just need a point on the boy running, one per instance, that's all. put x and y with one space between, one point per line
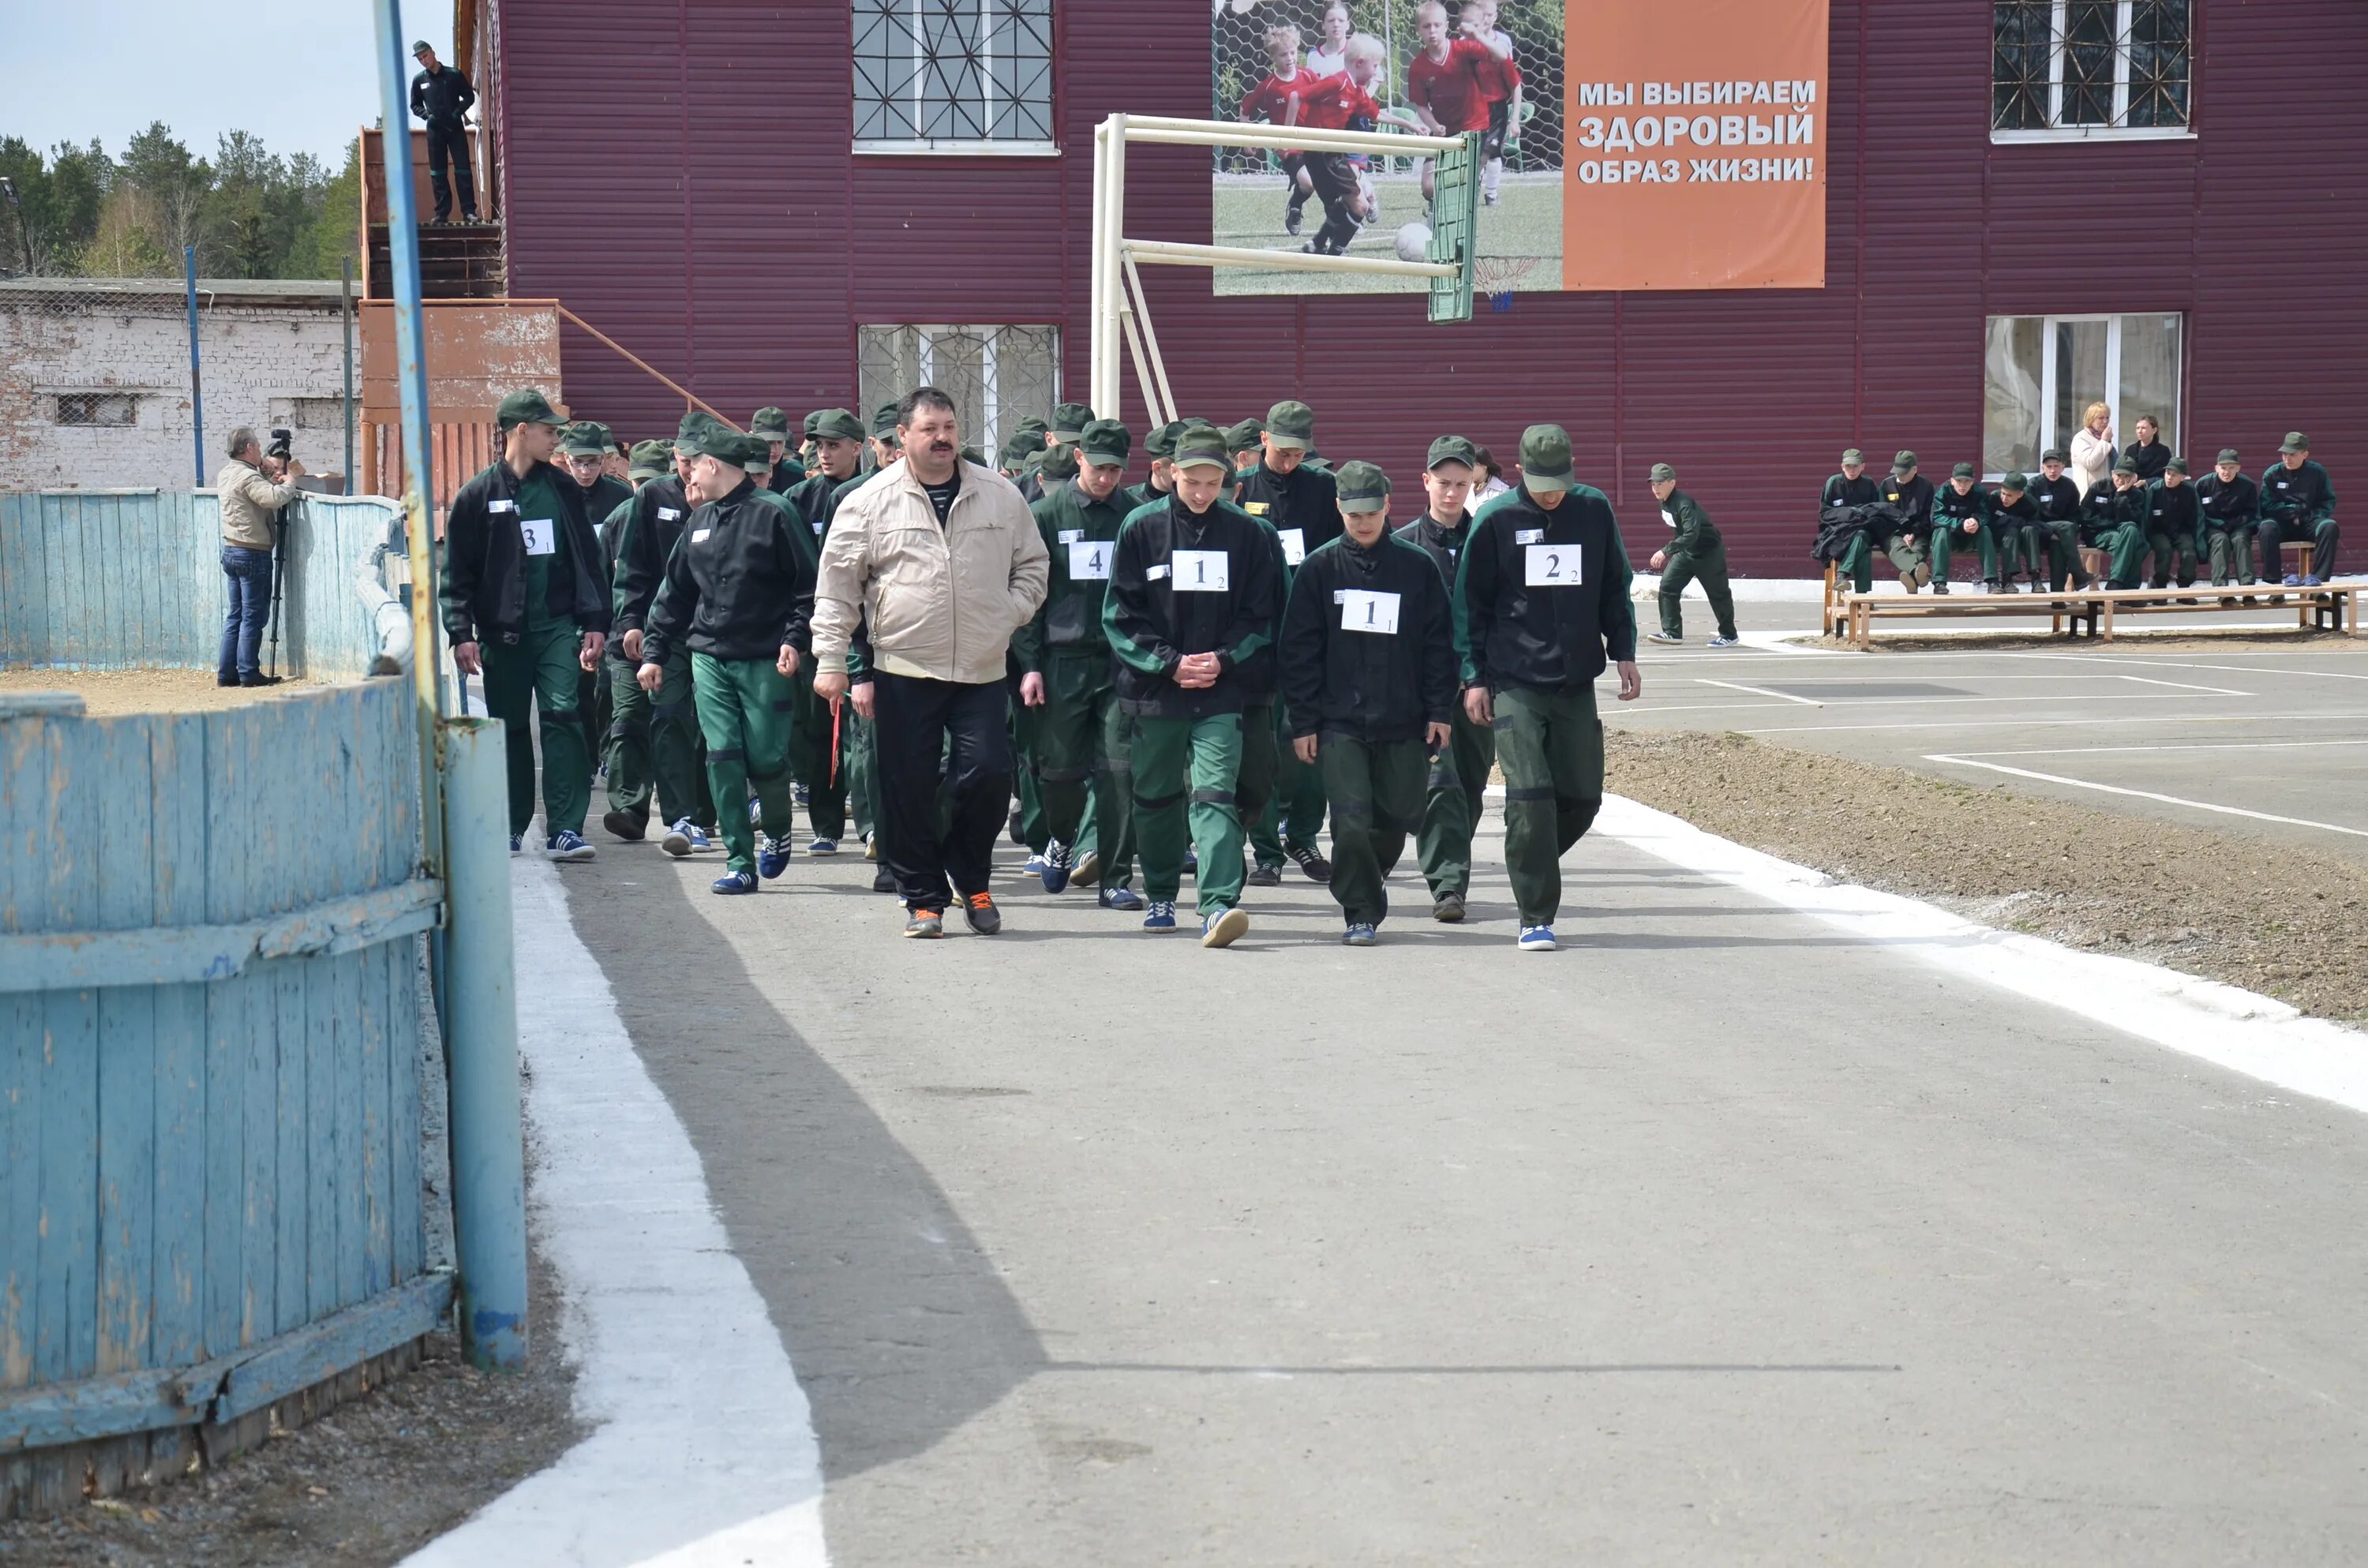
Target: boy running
1444 79
1503 86
1280 100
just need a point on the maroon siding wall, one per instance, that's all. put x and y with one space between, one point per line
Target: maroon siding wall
689 187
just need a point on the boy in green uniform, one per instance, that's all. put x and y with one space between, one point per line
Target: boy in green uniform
739 594
1247 440
524 606
771 426
2113 519
2057 501
587 447
1910 494
2174 522
1851 487
2014 523
838 453
1160 447
2231 504
1961 514
1194 590
654 742
1457 783
1695 553
2298 504
1295 496
1081 735
1368 659
1542 598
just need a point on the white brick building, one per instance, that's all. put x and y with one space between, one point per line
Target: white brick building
94 377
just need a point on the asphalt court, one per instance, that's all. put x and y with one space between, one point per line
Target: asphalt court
2253 738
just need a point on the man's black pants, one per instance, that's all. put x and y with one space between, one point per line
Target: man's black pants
915 722
448 142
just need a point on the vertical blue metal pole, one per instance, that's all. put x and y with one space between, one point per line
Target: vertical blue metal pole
345 321
480 986
196 388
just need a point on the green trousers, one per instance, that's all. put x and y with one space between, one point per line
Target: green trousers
1947 540
1677 569
2125 545
1261 766
1455 789
539 671
1857 563
862 774
1026 725
2229 549
1551 746
1376 792
1909 554
746 711
1082 755
653 746
2173 553
811 760
1299 788
1203 757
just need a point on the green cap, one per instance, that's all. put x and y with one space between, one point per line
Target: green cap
836 424
1291 425
1057 463
422 46
2176 465
1545 460
1033 422
647 461
2015 482
1903 461
1161 443
1852 455
1964 471
2230 455
1242 435
2055 455
587 438
2296 442
770 425
884 421
1202 445
726 445
1663 474
528 408
698 434
1452 450
972 454
808 427
1106 441
1363 487
1070 419
1020 444
2127 465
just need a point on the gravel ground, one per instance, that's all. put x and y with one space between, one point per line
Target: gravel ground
364 1487
106 692
2271 919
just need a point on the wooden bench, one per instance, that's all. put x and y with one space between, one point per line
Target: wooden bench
2334 607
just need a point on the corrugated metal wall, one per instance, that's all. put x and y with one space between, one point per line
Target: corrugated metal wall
702 206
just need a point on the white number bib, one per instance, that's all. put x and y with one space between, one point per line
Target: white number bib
1294 545
1364 610
1089 559
1551 565
541 535
1200 570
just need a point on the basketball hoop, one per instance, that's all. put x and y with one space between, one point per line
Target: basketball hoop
1495 275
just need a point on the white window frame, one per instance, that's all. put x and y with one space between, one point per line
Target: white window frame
989 337
2049 436
961 146
2059 47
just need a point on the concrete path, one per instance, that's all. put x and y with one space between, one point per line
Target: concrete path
1720 1237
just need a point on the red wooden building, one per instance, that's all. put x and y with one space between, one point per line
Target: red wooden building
2165 201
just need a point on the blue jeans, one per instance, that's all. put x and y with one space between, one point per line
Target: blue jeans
249 571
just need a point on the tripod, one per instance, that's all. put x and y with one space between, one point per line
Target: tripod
279 579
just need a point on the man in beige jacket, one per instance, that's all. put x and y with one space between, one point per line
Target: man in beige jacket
943 559
252 488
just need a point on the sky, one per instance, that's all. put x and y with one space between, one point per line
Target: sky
301 74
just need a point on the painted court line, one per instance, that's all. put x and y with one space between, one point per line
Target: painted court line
2148 795
2183 685
2240 1031
2155 718
2171 745
702 1453
2158 664
1760 691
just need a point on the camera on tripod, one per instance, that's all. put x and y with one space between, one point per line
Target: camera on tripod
281 440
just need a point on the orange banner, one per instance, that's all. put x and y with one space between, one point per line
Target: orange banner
1695 135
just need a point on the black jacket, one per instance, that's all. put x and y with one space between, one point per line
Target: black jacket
2106 506
1150 626
1841 490
643 547
2174 510
2235 504
1547 638
1444 546
442 96
2302 494
1307 499
2151 459
2022 513
483 595
600 502
2058 499
1844 523
739 585
815 498
1070 618
1913 497
1368 647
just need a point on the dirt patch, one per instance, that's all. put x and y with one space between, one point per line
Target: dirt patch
2271 919
108 692
366 1485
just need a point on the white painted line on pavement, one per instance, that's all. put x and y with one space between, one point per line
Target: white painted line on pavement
2171 745
2159 664
2240 1031
2148 795
2183 685
703 1452
2156 718
1760 691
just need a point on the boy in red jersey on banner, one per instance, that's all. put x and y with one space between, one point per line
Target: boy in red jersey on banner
1337 103
1280 99
1500 83
1449 78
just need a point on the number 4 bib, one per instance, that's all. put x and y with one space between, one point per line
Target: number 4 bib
1551 565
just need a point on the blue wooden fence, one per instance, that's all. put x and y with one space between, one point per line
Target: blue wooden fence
210 1183
132 579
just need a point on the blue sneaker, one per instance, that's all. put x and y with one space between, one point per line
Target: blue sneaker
1055 870
1536 939
1162 917
1119 898
567 846
514 841
677 838
700 842
805 797
2312 580
2291 581
756 813
1036 865
1219 930
1087 870
1359 935
772 857
734 883
823 847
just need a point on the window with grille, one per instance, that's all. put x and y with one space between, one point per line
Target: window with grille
953 76
2081 67
996 375
2041 373
121 410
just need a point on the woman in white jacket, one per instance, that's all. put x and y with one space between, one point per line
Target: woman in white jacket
2092 448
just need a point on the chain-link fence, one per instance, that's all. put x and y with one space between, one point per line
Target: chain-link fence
995 375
